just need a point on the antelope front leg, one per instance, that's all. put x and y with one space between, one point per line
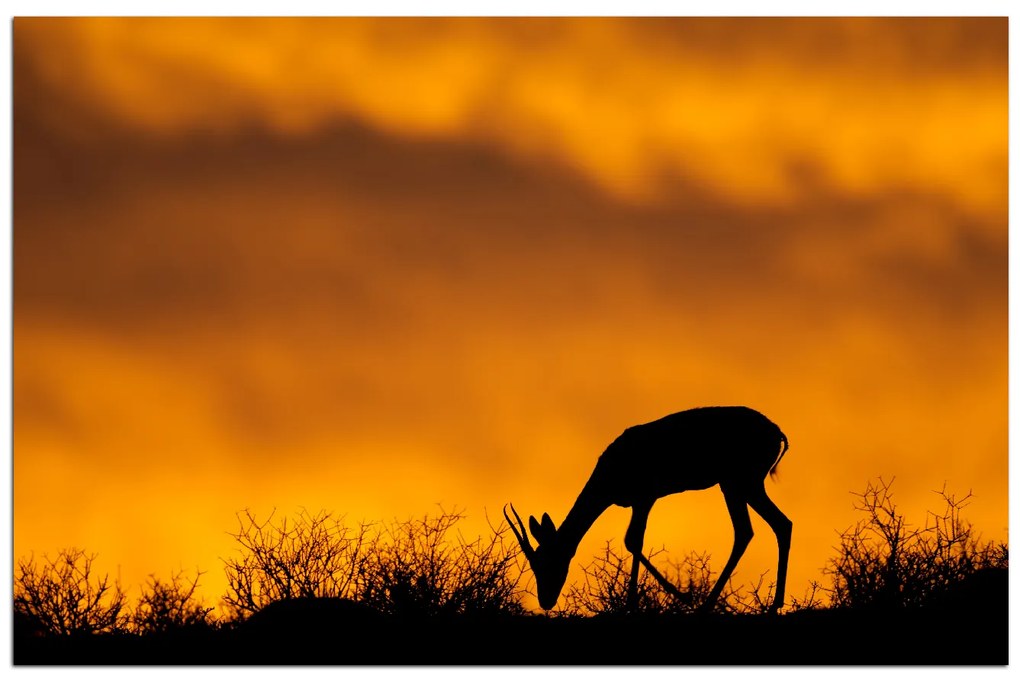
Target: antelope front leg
632 584
634 540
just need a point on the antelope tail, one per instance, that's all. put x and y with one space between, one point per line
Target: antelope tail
784 445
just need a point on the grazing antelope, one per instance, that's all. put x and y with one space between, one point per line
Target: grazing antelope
734 447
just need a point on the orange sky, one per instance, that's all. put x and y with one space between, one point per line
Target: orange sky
375 265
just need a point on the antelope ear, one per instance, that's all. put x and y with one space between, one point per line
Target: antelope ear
536 528
547 523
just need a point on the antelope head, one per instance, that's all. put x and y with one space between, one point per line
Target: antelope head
549 561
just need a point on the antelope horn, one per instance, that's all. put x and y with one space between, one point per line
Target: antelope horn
522 535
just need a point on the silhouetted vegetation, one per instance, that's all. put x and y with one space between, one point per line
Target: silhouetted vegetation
309 579
170 606
882 561
64 595
416 566
885 561
309 555
603 590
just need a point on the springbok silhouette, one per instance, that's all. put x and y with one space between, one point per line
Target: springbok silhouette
734 447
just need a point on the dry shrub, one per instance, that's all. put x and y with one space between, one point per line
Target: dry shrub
167 606
603 590
309 555
64 595
884 561
412 567
418 567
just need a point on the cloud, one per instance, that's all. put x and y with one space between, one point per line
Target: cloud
413 299
763 112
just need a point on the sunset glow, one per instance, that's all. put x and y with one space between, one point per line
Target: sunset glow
379 265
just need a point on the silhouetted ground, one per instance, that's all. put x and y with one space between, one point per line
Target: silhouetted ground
962 630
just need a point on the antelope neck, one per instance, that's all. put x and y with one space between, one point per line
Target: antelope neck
586 509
